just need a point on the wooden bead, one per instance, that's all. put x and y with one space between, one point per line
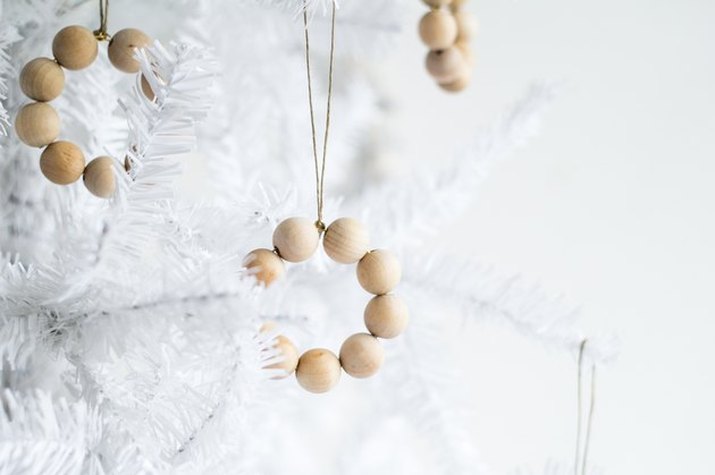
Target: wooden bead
438 29
457 85
466 25
289 353
122 46
296 239
42 79
456 5
75 47
346 240
99 177
361 355
466 50
386 316
445 65
62 162
379 272
265 265
37 124
318 370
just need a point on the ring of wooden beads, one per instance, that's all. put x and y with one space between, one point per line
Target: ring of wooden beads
37 124
345 241
446 30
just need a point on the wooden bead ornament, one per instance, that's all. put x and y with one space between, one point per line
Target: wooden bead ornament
42 79
345 241
446 30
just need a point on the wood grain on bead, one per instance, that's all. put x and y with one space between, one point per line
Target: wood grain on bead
386 316
62 163
445 65
346 240
318 370
296 239
289 354
379 272
99 177
42 79
361 355
265 265
75 47
438 29
122 46
37 124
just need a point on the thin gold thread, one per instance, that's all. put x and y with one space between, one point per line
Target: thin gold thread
589 420
101 33
319 164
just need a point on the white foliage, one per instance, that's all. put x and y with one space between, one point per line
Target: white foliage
136 314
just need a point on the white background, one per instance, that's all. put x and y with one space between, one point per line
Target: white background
613 204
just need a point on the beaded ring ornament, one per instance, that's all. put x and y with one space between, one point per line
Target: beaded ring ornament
42 79
345 241
446 30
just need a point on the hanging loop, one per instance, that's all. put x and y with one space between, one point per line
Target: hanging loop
101 33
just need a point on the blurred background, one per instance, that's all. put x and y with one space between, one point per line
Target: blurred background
613 204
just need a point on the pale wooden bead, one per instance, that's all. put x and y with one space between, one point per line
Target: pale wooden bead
289 353
265 265
62 162
466 25
346 240
99 177
466 49
296 239
445 65
146 88
42 79
438 29
386 316
37 124
457 85
361 355
456 5
318 370
75 47
437 3
121 49
379 272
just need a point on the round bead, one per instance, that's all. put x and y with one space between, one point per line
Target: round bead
379 272
296 239
457 85
445 65
37 124
466 25
62 162
74 47
438 29
122 46
361 355
99 177
346 240
42 79
289 353
318 370
265 264
466 50
386 316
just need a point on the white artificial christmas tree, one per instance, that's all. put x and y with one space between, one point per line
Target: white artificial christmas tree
129 328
